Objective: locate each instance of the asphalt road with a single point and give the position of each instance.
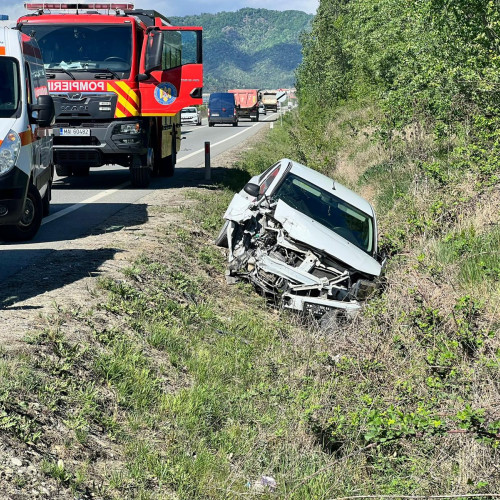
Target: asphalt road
(81, 203)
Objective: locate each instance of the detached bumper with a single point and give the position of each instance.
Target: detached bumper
(13, 188)
(318, 306)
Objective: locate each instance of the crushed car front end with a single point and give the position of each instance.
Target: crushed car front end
(307, 248)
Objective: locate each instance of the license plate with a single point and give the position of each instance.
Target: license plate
(215, 114)
(74, 131)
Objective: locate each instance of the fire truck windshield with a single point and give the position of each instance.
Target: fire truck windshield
(87, 47)
(9, 87)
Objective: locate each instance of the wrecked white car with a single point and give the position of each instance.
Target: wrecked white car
(304, 240)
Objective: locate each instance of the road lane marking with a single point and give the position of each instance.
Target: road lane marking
(103, 194)
(76, 206)
(220, 142)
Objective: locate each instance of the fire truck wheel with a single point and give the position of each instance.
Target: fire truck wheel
(140, 177)
(81, 171)
(31, 218)
(64, 170)
(167, 166)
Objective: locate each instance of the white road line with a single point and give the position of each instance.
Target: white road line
(108, 192)
(81, 204)
(217, 143)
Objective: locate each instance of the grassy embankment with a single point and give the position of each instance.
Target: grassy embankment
(179, 386)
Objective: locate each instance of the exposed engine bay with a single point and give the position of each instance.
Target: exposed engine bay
(291, 273)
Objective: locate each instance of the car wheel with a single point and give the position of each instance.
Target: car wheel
(30, 220)
(221, 240)
(235, 124)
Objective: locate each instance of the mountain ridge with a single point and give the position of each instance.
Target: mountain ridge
(250, 48)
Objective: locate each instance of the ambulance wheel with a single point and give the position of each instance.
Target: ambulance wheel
(31, 218)
(63, 170)
(46, 199)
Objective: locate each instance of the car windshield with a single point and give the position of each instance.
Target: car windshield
(87, 47)
(332, 212)
(188, 110)
(9, 87)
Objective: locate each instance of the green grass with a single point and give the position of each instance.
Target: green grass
(477, 256)
(178, 386)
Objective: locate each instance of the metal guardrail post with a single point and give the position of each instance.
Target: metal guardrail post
(208, 171)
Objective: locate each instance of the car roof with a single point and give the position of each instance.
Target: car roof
(330, 185)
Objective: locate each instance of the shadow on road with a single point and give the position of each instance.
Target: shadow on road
(66, 266)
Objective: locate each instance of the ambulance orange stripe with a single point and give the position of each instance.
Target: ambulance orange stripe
(2, 51)
(26, 138)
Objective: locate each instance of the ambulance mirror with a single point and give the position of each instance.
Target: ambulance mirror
(43, 111)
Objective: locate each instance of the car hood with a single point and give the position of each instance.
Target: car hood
(302, 228)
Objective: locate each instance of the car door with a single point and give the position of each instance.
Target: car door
(174, 80)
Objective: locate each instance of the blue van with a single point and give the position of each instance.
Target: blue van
(222, 109)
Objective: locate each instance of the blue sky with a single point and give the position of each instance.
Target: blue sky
(182, 7)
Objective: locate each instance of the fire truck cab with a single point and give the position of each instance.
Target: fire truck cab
(119, 78)
(26, 115)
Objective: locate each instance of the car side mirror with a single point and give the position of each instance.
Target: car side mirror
(252, 189)
(43, 111)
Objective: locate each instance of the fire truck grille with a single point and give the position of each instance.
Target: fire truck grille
(76, 141)
(81, 156)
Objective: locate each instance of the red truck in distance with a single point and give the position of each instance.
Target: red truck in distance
(247, 103)
(119, 78)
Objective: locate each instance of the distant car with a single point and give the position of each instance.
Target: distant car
(262, 109)
(191, 116)
(303, 240)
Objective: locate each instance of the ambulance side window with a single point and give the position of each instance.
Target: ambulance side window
(29, 84)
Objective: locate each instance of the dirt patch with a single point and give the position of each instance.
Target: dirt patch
(69, 274)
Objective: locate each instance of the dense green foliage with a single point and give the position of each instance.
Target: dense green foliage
(401, 100)
(250, 48)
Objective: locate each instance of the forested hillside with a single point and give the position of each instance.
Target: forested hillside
(401, 101)
(250, 48)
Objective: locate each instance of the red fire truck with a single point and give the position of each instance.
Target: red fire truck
(119, 78)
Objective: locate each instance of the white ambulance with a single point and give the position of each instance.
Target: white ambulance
(26, 115)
